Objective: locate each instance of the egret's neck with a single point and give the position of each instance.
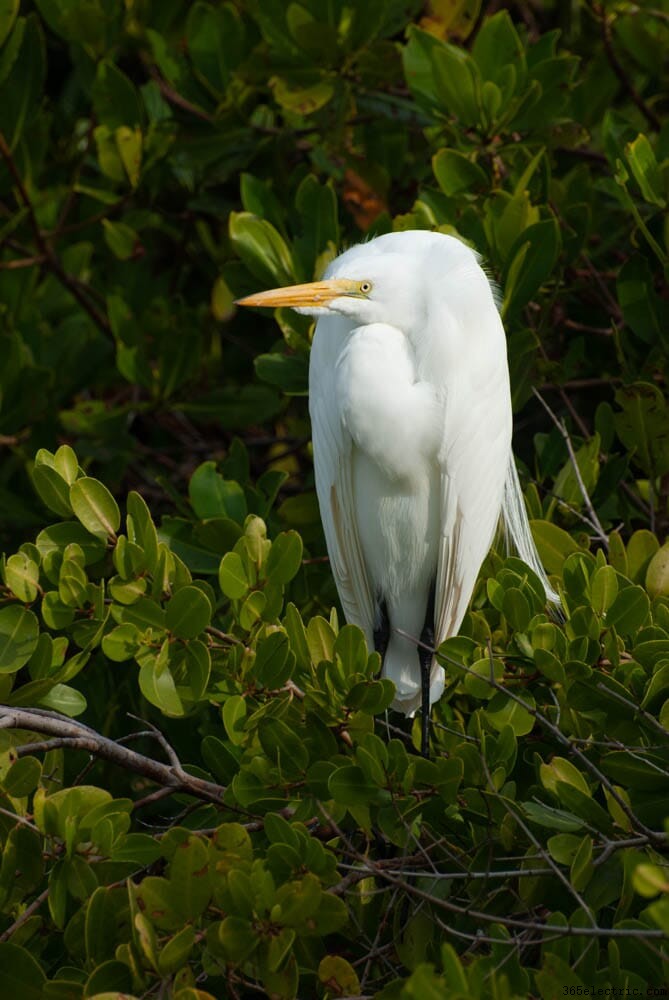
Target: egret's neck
(389, 412)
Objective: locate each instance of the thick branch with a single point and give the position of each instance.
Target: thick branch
(75, 735)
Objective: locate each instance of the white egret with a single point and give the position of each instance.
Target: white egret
(411, 418)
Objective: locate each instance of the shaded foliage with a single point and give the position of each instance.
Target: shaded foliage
(164, 555)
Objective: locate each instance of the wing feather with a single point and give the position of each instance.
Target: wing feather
(333, 448)
(473, 463)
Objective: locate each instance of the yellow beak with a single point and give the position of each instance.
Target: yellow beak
(313, 294)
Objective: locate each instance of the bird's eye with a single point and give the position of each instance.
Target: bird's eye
(365, 287)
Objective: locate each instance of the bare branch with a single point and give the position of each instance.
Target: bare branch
(75, 735)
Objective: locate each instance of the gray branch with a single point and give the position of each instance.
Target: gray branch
(66, 733)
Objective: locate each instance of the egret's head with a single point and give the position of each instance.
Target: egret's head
(367, 289)
(394, 279)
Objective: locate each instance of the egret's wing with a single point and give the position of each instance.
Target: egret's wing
(473, 463)
(333, 467)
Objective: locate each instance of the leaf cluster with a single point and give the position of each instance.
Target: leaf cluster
(241, 811)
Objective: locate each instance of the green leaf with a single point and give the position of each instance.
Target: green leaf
(504, 711)
(275, 661)
(115, 98)
(174, 955)
(290, 372)
(64, 699)
(7, 59)
(641, 548)
(237, 938)
(157, 685)
(553, 819)
(553, 544)
(641, 158)
(95, 507)
(129, 144)
(213, 496)
(453, 970)
(121, 643)
(20, 974)
(640, 303)
(145, 613)
(261, 248)
(629, 611)
(22, 777)
(141, 529)
(22, 576)
(8, 11)
(53, 490)
(222, 300)
(72, 584)
(283, 745)
(372, 697)
(456, 173)
(560, 769)
(120, 238)
(335, 973)
(657, 574)
(532, 262)
(19, 633)
(22, 89)
(109, 978)
(234, 719)
(66, 464)
(649, 880)
(99, 926)
(109, 157)
(320, 639)
(603, 588)
(189, 878)
(516, 608)
(285, 557)
(56, 614)
(300, 99)
(317, 205)
(188, 613)
(497, 45)
(350, 786)
(215, 42)
(232, 576)
(643, 426)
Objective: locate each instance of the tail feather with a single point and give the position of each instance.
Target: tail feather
(518, 528)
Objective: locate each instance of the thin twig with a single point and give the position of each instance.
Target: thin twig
(26, 915)
(156, 734)
(594, 520)
(177, 100)
(15, 265)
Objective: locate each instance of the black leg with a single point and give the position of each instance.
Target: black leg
(425, 660)
(382, 633)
